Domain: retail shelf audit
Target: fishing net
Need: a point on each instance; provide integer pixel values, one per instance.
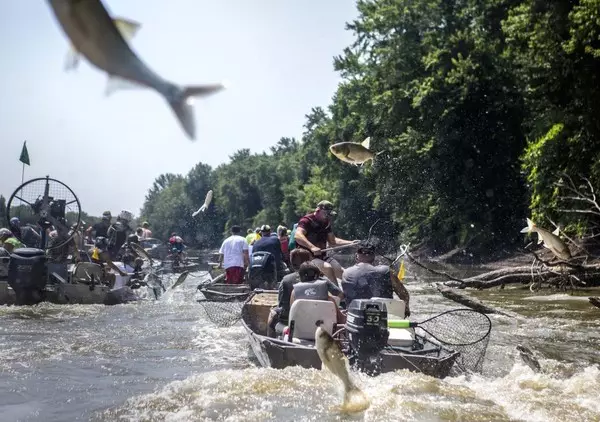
(222, 314)
(462, 330)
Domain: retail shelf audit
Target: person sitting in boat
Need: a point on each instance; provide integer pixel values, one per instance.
(313, 287)
(314, 232)
(278, 317)
(269, 271)
(118, 232)
(99, 229)
(8, 240)
(365, 280)
(233, 256)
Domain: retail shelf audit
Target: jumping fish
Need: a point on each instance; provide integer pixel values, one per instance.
(551, 240)
(334, 360)
(207, 202)
(94, 34)
(353, 152)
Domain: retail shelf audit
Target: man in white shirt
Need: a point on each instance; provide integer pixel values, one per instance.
(233, 256)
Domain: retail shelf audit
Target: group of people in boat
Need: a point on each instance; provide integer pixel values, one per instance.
(312, 274)
(101, 243)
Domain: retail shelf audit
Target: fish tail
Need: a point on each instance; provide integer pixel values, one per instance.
(183, 106)
(529, 228)
(352, 392)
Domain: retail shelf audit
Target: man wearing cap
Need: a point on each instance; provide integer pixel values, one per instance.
(365, 280)
(272, 245)
(314, 232)
(100, 229)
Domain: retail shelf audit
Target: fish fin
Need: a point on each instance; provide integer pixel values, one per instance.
(556, 232)
(366, 143)
(540, 240)
(116, 83)
(183, 107)
(529, 228)
(72, 58)
(195, 213)
(127, 27)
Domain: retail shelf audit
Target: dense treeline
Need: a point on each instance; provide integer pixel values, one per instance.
(478, 106)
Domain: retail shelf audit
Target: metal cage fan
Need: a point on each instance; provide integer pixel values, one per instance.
(51, 205)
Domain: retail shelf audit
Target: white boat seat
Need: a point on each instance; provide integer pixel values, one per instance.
(84, 270)
(401, 337)
(305, 313)
(396, 308)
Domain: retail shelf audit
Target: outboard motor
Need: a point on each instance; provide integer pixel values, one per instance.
(262, 271)
(367, 328)
(27, 275)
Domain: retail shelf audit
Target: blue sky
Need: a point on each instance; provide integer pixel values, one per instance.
(277, 56)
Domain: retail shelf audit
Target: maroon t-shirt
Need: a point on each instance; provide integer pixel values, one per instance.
(316, 231)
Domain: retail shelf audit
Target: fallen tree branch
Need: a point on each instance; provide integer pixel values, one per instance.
(467, 301)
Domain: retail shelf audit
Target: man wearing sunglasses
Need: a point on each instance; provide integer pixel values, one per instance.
(315, 232)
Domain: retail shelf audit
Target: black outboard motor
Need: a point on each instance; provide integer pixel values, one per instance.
(27, 275)
(262, 272)
(367, 328)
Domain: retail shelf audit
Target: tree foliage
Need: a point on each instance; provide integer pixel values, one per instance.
(477, 107)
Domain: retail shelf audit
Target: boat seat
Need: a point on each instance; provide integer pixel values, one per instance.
(396, 308)
(305, 313)
(83, 269)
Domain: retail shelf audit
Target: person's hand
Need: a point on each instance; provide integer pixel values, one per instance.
(316, 251)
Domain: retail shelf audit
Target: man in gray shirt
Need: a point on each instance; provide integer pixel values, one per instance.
(313, 287)
(365, 280)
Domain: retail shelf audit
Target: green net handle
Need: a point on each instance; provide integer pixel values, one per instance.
(401, 323)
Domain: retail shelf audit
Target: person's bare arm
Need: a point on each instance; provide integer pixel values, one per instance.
(336, 241)
(302, 240)
(292, 297)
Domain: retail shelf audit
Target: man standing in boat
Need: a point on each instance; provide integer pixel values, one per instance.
(314, 232)
(233, 256)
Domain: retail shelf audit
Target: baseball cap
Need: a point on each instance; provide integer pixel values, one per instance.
(326, 206)
(365, 248)
(265, 228)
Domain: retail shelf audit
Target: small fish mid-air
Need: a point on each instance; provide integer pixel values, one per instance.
(334, 360)
(551, 240)
(94, 35)
(354, 152)
(207, 202)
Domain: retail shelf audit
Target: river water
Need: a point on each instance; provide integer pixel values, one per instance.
(163, 361)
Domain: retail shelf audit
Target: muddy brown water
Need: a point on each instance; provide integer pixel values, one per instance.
(163, 361)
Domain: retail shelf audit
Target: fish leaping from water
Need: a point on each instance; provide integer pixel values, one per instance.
(551, 240)
(94, 35)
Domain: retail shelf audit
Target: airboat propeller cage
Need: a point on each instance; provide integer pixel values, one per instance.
(48, 201)
(367, 327)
